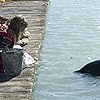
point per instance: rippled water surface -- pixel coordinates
(72, 39)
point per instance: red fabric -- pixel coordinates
(7, 39)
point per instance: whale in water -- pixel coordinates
(92, 68)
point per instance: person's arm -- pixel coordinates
(24, 39)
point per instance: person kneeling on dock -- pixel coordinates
(12, 32)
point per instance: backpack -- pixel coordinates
(12, 61)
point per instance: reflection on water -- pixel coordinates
(72, 39)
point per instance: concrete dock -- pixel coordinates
(20, 87)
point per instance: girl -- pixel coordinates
(10, 34)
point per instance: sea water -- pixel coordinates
(71, 40)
